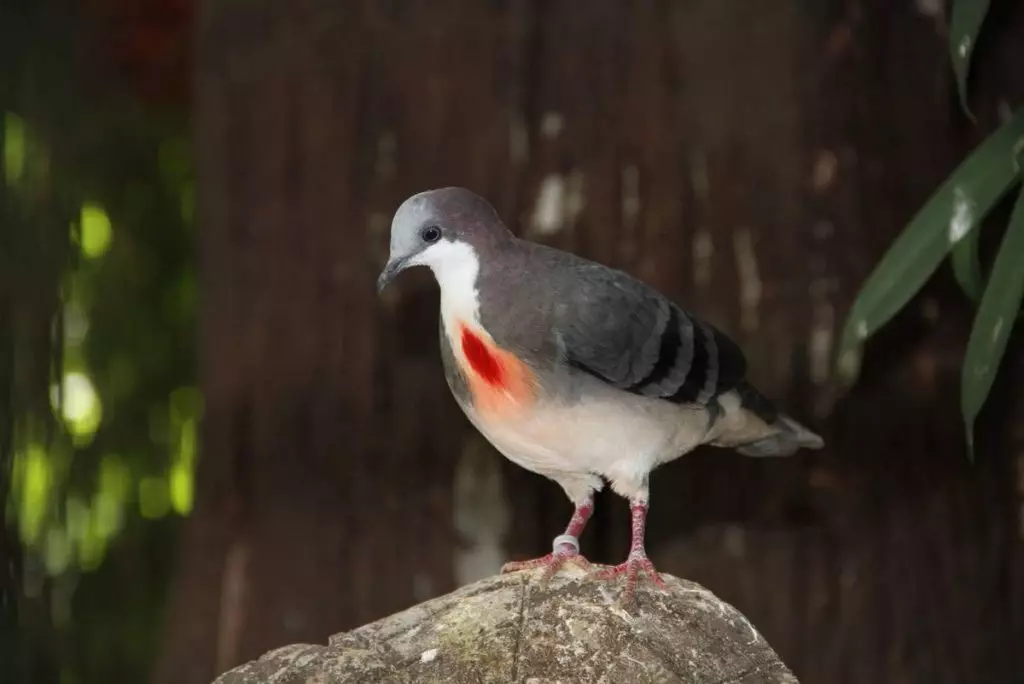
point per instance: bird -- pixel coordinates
(576, 371)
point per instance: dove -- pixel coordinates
(576, 371)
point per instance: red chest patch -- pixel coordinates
(500, 384)
(482, 359)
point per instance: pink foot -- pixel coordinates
(552, 562)
(632, 568)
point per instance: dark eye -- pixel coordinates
(431, 234)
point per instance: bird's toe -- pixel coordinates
(551, 563)
(633, 568)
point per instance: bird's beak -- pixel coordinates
(391, 269)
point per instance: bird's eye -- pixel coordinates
(431, 234)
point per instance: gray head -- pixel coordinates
(446, 229)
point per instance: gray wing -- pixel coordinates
(627, 334)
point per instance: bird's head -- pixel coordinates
(446, 230)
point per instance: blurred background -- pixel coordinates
(217, 439)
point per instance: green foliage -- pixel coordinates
(96, 251)
(947, 218)
(966, 261)
(997, 312)
(949, 224)
(34, 251)
(123, 396)
(964, 27)
(14, 148)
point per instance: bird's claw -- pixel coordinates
(632, 568)
(551, 563)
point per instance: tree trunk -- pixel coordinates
(751, 160)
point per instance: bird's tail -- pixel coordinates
(755, 427)
(790, 437)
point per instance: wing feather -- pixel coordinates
(630, 336)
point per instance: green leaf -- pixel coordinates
(967, 264)
(964, 26)
(994, 321)
(958, 206)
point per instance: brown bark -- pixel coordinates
(753, 162)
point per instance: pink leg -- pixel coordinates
(566, 546)
(637, 561)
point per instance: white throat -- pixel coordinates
(455, 266)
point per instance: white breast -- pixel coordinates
(615, 435)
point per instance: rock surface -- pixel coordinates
(511, 629)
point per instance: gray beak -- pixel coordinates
(391, 269)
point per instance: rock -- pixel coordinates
(510, 628)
